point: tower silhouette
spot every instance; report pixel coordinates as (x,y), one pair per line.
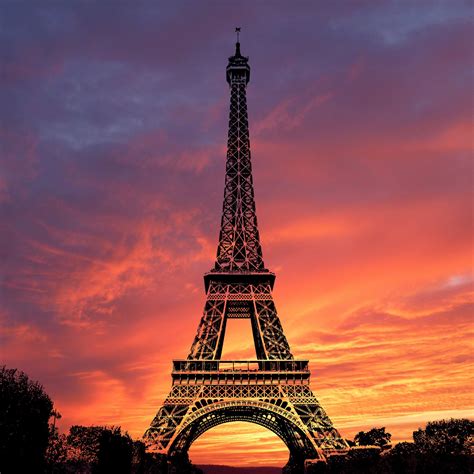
(272,391)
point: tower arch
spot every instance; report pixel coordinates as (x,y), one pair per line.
(281,421)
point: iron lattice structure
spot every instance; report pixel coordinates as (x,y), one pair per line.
(272,391)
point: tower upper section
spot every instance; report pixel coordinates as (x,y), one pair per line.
(238,69)
(239,250)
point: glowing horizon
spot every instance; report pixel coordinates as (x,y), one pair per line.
(111,183)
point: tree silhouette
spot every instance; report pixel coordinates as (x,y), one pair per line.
(445,436)
(402,458)
(445,446)
(144,462)
(29,445)
(57,452)
(103,449)
(25,411)
(374,437)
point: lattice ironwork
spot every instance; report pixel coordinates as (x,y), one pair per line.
(272,391)
(241,300)
(239,242)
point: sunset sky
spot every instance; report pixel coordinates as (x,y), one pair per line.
(113,130)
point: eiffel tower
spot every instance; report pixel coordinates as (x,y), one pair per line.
(272,391)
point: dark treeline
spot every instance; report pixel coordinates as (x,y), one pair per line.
(442,447)
(30,443)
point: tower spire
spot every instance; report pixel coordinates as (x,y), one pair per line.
(237,44)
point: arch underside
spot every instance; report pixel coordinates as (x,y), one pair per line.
(298,443)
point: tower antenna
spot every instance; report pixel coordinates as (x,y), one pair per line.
(237,30)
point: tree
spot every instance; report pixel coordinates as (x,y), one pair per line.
(445,446)
(374,437)
(102,448)
(445,436)
(359,460)
(402,458)
(57,452)
(144,462)
(25,409)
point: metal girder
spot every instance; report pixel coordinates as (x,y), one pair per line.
(239,246)
(241,300)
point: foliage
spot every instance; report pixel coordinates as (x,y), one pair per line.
(445,446)
(56,452)
(363,460)
(182,465)
(147,463)
(24,432)
(374,437)
(29,444)
(103,449)
(402,458)
(445,436)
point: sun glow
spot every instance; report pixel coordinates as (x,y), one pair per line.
(239,443)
